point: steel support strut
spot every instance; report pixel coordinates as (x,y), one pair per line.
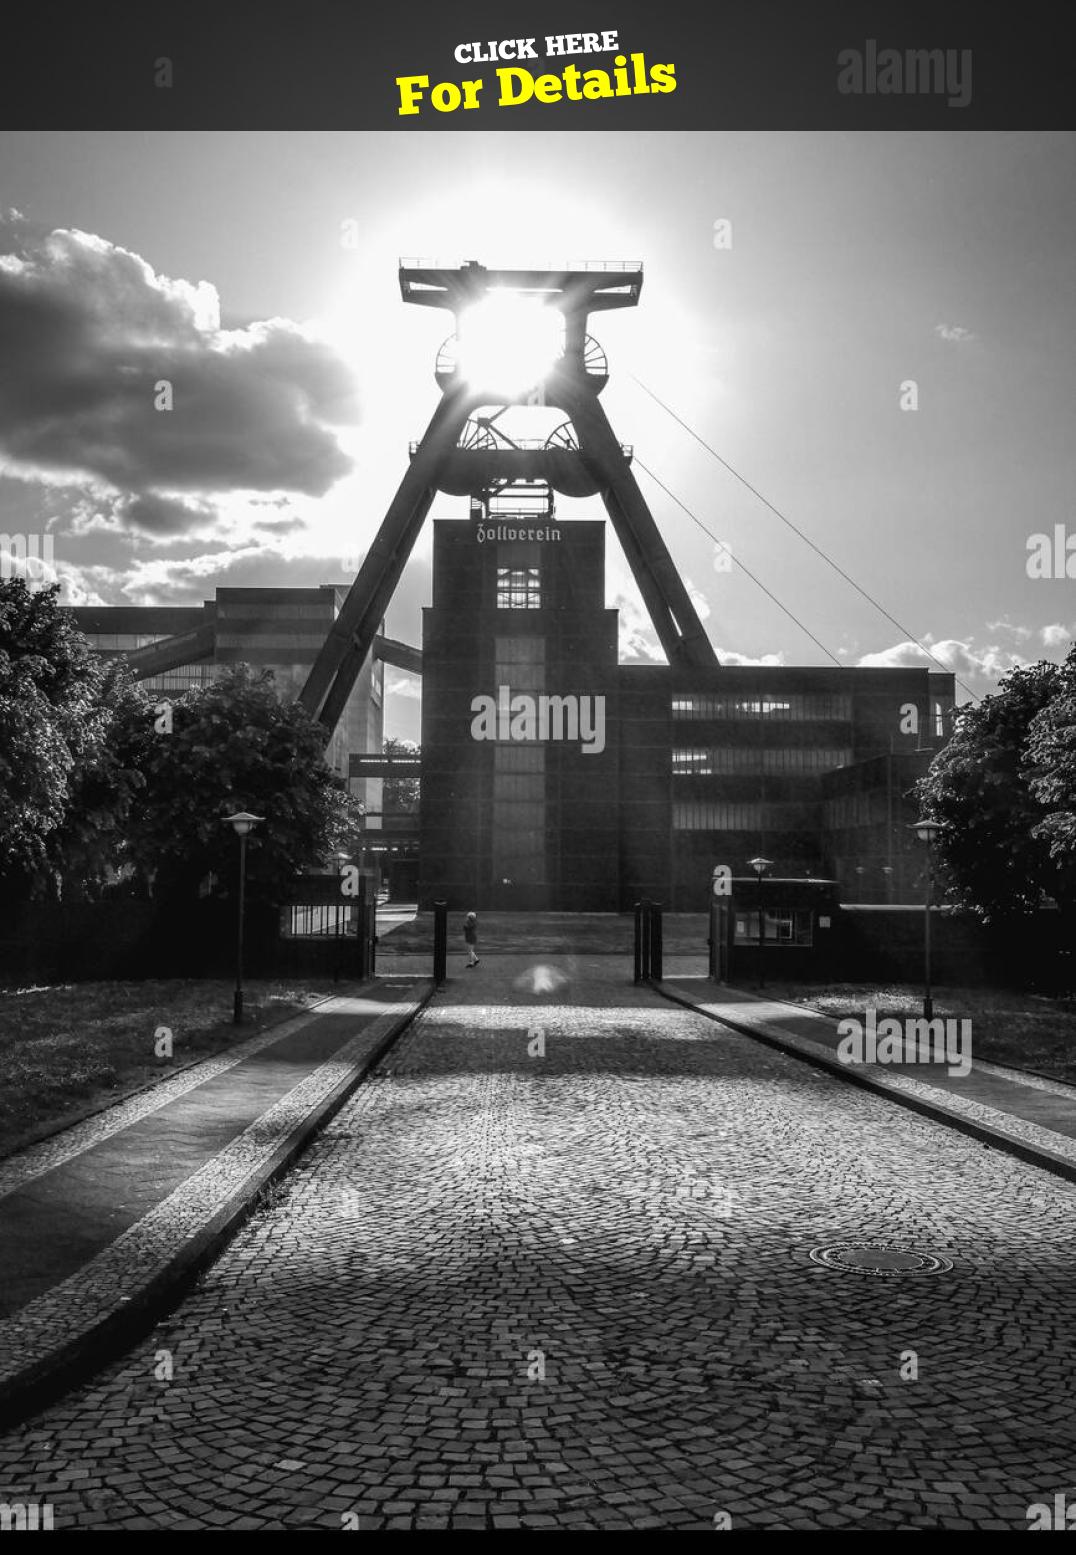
(675,618)
(352,635)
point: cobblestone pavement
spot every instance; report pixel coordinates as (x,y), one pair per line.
(575,1289)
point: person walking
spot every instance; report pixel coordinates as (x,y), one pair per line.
(470,934)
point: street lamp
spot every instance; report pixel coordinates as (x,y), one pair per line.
(926,830)
(241,821)
(760,866)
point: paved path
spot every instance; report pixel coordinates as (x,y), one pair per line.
(1028,1113)
(575,1288)
(98,1221)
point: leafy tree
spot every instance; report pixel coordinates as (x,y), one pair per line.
(996,859)
(56,705)
(235,745)
(400,795)
(93,842)
(1050,770)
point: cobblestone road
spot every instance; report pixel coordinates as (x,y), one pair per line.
(575,1289)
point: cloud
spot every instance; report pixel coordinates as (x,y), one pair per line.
(1057,637)
(88,329)
(729,656)
(698,599)
(637,640)
(37,564)
(1021,633)
(408,686)
(955,332)
(979,667)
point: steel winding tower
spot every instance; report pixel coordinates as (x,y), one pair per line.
(465,456)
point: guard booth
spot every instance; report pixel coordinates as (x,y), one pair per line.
(798,915)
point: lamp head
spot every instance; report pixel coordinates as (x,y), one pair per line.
(760,865)
(926,829)
(242,821)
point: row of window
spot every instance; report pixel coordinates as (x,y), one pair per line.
(793,708)
(704,816)
(127,641)
(730,759)
(271,639)
(233,610)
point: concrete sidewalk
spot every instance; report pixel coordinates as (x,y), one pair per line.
(1029,1116)
(106,1223)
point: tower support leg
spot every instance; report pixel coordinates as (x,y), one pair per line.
(675,618)
(351,637)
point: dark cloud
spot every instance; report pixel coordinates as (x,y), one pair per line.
(164,516)
(87,330)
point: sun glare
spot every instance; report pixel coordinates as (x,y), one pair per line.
(508,343)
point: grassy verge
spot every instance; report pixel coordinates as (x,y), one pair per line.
(68,1050)
(1018,1029)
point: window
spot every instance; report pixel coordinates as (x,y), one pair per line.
(745,759)
(795,708)
(717,817)
(787,927)
(518,588)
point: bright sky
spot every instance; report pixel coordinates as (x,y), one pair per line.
(857,262)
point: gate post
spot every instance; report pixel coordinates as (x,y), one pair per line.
(655,942)
(716,947)
(440,941)
(638,942)
(645,958)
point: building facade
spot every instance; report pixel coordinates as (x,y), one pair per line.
(556,778)
(280,630)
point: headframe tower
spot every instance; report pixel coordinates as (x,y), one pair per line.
(460,453)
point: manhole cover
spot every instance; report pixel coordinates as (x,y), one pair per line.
(877,1258)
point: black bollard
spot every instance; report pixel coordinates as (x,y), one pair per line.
(638,942)
(440,942)
(655,942)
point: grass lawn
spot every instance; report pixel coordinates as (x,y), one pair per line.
(67,1050)
(1022,1030)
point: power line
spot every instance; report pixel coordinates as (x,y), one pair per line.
(805,538)
(639,463)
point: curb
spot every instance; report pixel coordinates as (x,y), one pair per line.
(32,1389)
(1034,1155)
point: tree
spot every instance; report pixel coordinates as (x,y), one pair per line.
(399,795)
(1050,771)
(56,706)
(996,860)
(234,745)
(93,842)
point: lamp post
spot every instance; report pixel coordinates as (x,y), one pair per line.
(760,866)
(242,822)
(926,830)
